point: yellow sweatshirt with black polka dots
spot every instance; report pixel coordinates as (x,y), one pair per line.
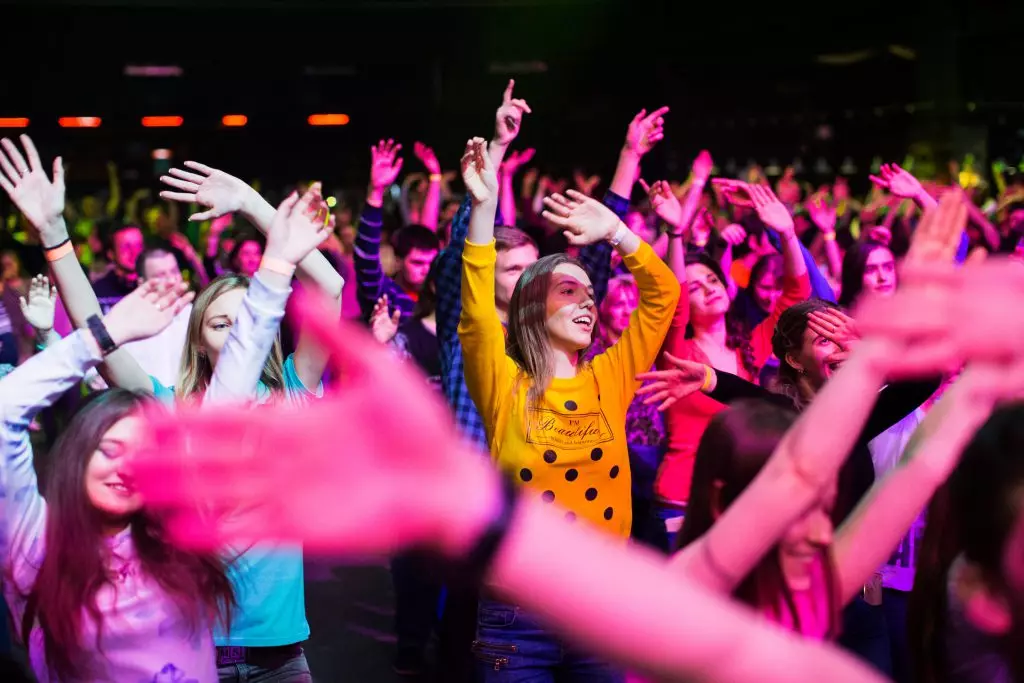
(570,449)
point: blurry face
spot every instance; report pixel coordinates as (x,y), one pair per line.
(162,268)
(880,272)
(636,222)
(9,266)
(511,264)
(814,358)
(416,266)
(805,540)
(709,299)
(109,491)
(570,308)
(217,321)
(767,290)
(347,235)
(616,310)
(249,257)
(128,244)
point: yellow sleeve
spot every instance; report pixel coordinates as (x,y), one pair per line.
(639,345)
(488,375)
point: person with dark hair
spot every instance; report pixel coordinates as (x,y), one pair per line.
(703,331)
(123,246)
(758,299)
(246,254)
(868,266)
(415,245)
(97,591)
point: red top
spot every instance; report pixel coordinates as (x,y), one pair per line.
(686,420)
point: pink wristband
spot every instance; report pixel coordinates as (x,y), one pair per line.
(276,265)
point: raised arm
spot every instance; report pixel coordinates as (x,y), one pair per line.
(222,194)
(483,339)
(42,203)
(824,216)
(506,174)
(903,184)
(296,230)
(385,165)
(432,202)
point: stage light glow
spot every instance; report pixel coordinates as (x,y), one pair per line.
(13,122)
(234,120)
(329,120)
(79,121)
(162,121)
(162,154)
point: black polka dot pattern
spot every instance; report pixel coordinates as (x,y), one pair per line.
(525,474)
(570,405)
(614,473)
(591,494)
(608,512)
(596,454)
(550,457)
(548,496)
(571,475)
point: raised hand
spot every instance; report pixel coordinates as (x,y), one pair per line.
(897,181)
(147,310)
(509,117)
(666,387)
(229,457)
(585,184)
(38,308)
(517,160)
(664,202)
(645,131)
(734,234)
(478,172)
(384,325)
(770,210)
(822,215)
(736,192)
(427,158)
(702,166)
(937,236)
(880,234)
(26,183)
(213,189)
(833,324)
(583,220)
(299,226)
(385,164)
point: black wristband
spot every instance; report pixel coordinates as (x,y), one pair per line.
(99,332)
(57,246)
(478,561)
(673,234)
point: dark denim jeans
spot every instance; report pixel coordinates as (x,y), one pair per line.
(511,647)
(866,634)
(663,525)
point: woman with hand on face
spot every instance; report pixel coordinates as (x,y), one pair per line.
(555,422)
(702,331)
(96,590)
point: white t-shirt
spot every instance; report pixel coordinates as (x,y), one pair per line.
(160,355)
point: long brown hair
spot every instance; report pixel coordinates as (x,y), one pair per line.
(196,368)
(528,343)
(787,338)
(73,569)
(735,446)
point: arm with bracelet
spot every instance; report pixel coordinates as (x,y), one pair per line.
(42,202)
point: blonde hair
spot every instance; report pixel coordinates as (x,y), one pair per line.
(196,368)
(528,344)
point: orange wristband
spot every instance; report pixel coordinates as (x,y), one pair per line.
(436,177)
(829,236)
(708,376)
(276,265)
(60,251)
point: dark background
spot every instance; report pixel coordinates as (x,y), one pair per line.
(748,81)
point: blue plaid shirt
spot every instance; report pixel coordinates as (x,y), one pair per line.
(596,258)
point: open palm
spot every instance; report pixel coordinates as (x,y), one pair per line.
(217,191)
(39,199)
(478,172)
(39,306)
(583,220)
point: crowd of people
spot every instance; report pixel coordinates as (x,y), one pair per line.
(716,429)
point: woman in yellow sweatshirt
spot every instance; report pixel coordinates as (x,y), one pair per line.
(555,423)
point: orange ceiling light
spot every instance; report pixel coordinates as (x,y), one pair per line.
(162,121)
(79,121)
(13,122)
(329,120)
(234,120)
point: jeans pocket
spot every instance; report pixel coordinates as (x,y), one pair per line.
(494,654)
(495,616)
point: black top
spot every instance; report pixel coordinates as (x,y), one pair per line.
(895,402)
(420,344)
